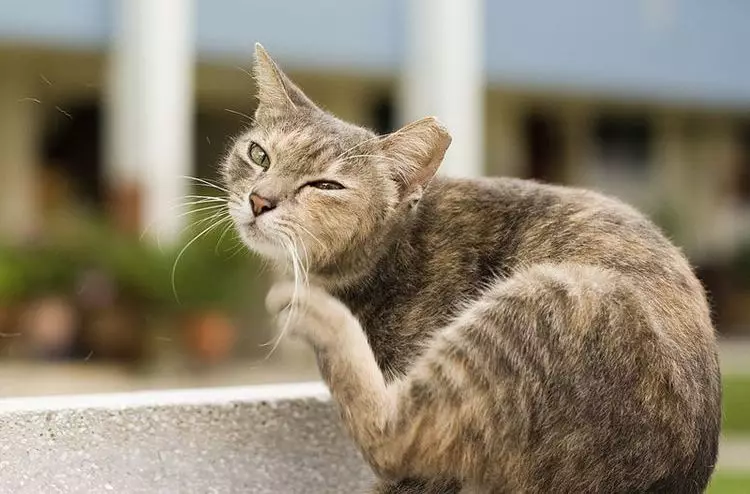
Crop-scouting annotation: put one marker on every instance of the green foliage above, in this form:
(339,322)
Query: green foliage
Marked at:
(669,220)
(736,404)
(211,272)
(729,483)
(34,271)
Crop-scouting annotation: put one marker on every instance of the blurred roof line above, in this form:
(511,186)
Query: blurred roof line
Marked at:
(688,50)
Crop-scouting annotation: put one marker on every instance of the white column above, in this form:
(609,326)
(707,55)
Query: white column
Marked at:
(150,112)
(444,76)
(19,129)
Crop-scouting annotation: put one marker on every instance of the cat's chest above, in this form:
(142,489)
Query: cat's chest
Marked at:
(397,325)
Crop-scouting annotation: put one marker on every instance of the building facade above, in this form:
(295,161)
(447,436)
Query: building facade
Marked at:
(648,100)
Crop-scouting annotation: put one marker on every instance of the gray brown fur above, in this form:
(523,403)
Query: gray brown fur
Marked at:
(490,335)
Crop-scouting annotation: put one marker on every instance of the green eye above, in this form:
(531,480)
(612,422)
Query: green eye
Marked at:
(258,155)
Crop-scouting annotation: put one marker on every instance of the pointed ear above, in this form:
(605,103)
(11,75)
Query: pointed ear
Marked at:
(276,91)
(415,152)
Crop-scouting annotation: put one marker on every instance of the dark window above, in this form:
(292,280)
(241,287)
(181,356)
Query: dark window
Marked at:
(544,147)
(72,148)
(383,114)
(623,141)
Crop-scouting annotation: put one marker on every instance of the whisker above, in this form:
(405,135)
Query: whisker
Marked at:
(181,253)
(221,237)
(237,249)
(380,136)
(242,69)
(219,215)
(312,236)
(192,211)
(361,144)
(300,276)
(207,198)
(240,114)
(205,182)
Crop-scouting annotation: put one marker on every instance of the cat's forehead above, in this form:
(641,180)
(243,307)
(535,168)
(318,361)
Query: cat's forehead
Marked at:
(309,144)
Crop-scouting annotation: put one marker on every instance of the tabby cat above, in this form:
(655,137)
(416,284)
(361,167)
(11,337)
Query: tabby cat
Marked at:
(477,335)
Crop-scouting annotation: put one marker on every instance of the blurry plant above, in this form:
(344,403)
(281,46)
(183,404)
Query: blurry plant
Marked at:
(213,272)
(741,265)
(668,218)
(31,271)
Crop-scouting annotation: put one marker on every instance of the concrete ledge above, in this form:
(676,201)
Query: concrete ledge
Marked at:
(258,439)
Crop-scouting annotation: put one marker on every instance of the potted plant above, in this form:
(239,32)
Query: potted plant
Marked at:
(35,287)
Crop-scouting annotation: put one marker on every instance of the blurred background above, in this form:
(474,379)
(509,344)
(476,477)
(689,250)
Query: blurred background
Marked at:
(107,106)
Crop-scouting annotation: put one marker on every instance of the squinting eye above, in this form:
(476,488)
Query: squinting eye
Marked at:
(325,185)
(258,155)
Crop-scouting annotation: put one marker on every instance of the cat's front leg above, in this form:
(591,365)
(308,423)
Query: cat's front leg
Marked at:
(400,427)
(347,364)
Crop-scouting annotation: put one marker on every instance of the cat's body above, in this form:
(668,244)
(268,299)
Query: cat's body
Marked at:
(491,335)
(565,264)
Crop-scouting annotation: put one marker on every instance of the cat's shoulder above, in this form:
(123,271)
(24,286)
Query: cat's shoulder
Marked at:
(516,191)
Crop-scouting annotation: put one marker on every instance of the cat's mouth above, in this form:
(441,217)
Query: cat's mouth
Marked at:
(257,237)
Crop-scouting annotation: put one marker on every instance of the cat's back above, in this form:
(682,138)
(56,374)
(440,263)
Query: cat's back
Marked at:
(480,230)
(508,223)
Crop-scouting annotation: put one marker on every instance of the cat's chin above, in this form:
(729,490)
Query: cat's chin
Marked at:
(262,245)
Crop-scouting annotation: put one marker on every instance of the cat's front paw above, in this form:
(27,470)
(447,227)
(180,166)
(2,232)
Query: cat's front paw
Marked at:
(309,313)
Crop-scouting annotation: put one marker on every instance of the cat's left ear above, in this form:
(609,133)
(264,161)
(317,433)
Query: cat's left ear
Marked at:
(415,153)
(276,91)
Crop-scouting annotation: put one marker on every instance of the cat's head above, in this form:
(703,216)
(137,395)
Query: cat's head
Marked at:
(302,182)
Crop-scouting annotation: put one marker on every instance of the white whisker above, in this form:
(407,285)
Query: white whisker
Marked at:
(182,252)
(223,233)
(205,182)
(300,278)
(153,223)
(361,144)
(240,114)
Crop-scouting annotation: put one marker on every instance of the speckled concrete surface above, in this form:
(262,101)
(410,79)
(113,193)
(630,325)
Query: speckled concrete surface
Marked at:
(262,439)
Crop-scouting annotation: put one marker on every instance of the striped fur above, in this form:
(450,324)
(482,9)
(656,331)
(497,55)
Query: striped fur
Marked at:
(491,335)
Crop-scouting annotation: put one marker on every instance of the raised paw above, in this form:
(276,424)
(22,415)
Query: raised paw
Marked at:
(308,312)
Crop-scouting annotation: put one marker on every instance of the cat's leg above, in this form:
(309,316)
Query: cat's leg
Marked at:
(406,429)
(346,362)
(523,391)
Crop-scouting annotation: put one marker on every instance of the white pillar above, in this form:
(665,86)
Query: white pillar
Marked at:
(444,76)
(19,129)
(150,112)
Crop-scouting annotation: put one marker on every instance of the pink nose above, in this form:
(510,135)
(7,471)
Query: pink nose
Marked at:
(260,204)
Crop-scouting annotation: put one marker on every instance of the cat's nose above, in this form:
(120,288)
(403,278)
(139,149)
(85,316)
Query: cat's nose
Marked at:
(260,204)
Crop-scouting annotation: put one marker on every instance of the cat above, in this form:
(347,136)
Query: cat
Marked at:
(477,335)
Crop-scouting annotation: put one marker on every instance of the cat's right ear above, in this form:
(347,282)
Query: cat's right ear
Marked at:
(415,153)
(276,92)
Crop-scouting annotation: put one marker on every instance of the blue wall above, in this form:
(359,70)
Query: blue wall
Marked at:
(693,49)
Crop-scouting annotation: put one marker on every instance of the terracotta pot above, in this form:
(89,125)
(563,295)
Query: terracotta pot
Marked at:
(209,336)
(50,325)
(113,333)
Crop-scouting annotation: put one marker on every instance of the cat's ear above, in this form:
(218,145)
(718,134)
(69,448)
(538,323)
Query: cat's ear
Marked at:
(276,91)
(415,152)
